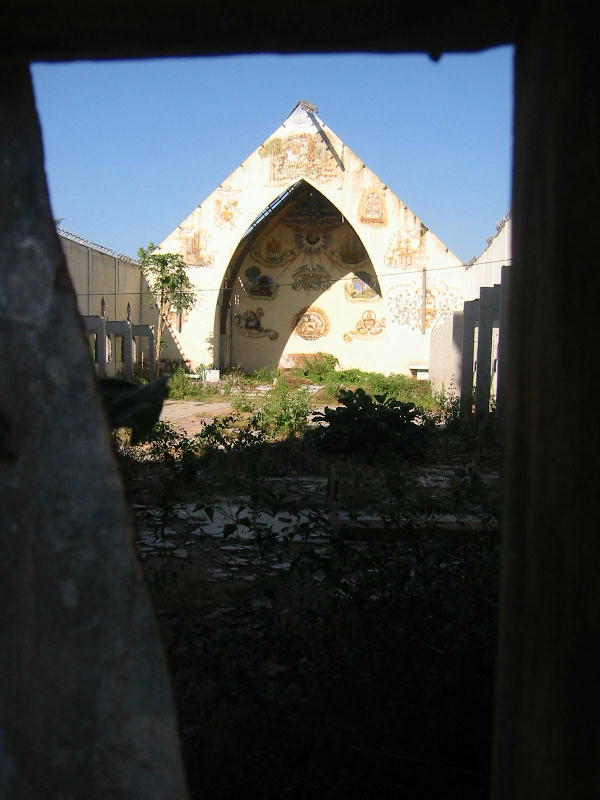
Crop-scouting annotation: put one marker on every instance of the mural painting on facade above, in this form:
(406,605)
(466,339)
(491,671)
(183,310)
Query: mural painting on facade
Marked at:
(311,277)
(372,209)
(301,155)
(368,328)
(310,323)
(259,285)
(418,308)
(194,247)
(226,209)
(350,253)
(406,250)
(249,323)
(360,287)
(313,212)
(312,241)
(273,256)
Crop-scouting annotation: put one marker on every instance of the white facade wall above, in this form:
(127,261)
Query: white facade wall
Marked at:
(485,271)
(398,245)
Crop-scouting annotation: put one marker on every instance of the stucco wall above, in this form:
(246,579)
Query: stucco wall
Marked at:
(398,245)
(98,274)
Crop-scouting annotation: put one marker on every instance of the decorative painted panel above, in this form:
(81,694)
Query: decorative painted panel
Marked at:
(273,256)
(310,323)
(351,252)
(372,209)
(311,277)
(249,324)
(259,285)
(194,247)
(359,288)
(313,212)
(301,155)
(368,328)
(312,241)
(418,308)
(406,250)
(226,210)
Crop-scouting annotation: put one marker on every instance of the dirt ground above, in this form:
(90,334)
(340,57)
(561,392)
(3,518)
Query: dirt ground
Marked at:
(189,415)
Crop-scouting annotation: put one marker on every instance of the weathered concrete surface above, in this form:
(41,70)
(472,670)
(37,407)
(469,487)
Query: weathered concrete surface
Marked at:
(85,705)
(548,725)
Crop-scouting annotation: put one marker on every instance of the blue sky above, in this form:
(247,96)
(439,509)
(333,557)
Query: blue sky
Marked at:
(133,146)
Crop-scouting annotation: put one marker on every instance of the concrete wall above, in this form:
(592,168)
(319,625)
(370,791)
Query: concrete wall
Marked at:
(485,270)
(445,356)
(98,273)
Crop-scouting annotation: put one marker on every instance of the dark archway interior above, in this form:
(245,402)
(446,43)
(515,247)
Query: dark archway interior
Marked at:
(291,256)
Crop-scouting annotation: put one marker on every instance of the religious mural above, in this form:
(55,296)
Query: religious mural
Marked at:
(301,155)
(420,308)
(350,252)
(311,277)
(273,256)
(310,323)
(312,242)
(249,324)
(194,247)
(368,328)
(372,209)
(359,288)
(226,209)
(406,250)
(313,212)
(259,285)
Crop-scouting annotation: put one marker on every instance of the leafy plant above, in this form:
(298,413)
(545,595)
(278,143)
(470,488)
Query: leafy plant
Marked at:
(318,367)
(283,411)
(172,289)
(363,424)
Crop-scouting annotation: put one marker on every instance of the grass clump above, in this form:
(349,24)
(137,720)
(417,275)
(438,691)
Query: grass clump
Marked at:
(182,387)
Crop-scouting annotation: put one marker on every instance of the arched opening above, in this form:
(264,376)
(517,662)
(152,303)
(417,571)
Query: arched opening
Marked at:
(299,282)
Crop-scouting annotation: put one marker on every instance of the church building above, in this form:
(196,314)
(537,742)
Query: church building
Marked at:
(303,249)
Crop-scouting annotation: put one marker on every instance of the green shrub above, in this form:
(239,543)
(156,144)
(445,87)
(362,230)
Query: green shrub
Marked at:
(283,411)
(318,367)
(362,425)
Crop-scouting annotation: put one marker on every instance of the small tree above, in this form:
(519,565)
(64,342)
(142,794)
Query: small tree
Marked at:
(172,289)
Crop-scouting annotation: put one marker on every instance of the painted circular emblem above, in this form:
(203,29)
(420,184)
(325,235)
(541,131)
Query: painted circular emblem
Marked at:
(311,323)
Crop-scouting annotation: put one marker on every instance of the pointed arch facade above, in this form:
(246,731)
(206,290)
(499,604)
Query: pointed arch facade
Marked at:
(299,219)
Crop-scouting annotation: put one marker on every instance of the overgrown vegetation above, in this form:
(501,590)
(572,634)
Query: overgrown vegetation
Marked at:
(319,658)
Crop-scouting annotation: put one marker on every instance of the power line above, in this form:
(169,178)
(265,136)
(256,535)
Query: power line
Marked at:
(222,289)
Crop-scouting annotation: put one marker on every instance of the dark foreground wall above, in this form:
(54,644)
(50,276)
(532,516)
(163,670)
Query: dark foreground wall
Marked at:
(85,705)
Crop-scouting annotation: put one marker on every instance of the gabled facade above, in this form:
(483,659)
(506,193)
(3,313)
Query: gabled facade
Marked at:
(304,249)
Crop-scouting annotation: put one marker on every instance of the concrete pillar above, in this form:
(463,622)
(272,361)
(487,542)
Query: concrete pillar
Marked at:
(503,324)
(97,325)
(147,332)
(123,329)
(470,322)
(489,310)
